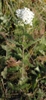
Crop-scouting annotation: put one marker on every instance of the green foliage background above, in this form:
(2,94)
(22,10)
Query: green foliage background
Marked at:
(22,52)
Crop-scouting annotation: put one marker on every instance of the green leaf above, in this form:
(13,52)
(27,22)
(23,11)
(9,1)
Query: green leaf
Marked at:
(10,85)
(43,41)
(37,69)
(4,73)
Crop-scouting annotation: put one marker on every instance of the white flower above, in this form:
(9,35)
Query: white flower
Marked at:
(26,15)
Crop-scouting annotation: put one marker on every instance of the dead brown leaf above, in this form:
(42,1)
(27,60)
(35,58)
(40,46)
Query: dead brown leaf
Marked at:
(41,58)
(12,62)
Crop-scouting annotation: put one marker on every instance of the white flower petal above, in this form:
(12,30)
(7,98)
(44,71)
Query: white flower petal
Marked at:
(26,15)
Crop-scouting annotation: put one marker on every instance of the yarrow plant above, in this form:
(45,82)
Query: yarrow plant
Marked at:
(22,51)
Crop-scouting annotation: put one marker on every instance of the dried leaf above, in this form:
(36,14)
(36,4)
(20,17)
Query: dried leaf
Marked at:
(3,34)
(41,58)
(12,62)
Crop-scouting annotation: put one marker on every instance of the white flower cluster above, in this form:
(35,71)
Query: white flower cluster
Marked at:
(26,15)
